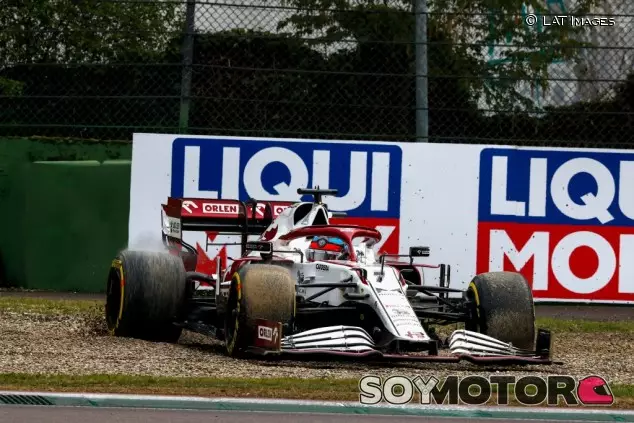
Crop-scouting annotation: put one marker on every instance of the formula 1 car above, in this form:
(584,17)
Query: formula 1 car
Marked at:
(304,286)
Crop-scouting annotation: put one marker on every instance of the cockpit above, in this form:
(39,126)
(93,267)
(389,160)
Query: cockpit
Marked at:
(324,247)
(305,227)
(327,248)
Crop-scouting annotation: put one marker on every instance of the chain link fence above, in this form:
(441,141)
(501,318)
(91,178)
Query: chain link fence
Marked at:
(545,72)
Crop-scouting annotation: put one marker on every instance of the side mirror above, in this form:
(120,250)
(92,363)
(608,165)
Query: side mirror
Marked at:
(419,251)
(337,214)
(259,246)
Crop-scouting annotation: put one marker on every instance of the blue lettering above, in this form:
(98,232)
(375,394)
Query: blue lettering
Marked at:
(367,176)
(556,187)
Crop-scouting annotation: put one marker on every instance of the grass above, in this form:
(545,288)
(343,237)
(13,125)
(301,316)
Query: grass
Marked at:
(324,389)
(584,326)
(48,306)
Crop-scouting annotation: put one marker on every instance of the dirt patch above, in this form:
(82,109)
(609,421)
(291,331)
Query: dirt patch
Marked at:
(56,344)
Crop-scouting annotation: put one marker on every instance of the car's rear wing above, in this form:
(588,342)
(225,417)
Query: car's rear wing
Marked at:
(221,216)
(232,217)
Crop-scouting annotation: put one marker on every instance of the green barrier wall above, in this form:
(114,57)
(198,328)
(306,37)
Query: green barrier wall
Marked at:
(21,222)
(75,220)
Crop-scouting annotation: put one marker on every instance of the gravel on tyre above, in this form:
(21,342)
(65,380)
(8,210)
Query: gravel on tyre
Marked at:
(259,291)
(145,294)
(504,308)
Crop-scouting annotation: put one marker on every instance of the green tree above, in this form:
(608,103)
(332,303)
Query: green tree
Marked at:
(85,31)
(470,27)
(56,73)
(243,94)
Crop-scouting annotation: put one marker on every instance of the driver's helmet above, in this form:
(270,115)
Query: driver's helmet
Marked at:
(327,248)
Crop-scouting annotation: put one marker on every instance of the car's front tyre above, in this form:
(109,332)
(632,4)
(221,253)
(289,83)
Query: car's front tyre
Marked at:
(503,308)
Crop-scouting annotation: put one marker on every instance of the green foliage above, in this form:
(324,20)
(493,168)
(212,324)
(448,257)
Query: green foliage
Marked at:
(470,26)
(48,77)
(85,31)
(343,69)
(10,87)
(234,96)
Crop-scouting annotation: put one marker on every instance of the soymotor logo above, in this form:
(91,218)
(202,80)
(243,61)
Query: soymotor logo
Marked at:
(564,219)
(478,390)
(367,176)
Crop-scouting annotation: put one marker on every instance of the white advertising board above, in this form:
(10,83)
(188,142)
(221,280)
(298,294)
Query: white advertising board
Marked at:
(563,217)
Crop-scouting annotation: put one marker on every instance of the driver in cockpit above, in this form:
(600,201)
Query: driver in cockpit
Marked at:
(327,248)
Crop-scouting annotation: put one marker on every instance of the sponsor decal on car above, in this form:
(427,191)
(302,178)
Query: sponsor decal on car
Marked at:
(564,219)
(171,226)
(211,208)
(268,334)
(416,335)
(400,313)
(265,333)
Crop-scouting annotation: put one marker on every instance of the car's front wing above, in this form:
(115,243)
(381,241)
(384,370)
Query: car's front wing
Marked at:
(355,343)
(502,360)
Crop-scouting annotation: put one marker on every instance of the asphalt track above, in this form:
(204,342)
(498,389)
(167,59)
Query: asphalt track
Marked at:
(33,414)
(33,407)
(572,311)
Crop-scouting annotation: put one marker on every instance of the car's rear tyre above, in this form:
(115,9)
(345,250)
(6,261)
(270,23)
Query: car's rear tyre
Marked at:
(503,308)
(145,294)
(258,291)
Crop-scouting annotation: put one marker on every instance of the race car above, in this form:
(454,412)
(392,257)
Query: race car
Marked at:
(306,286)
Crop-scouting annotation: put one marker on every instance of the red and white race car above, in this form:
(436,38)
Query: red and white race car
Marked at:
(304,286)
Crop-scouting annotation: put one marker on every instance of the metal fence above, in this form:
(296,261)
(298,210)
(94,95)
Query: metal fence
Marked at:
(551,73)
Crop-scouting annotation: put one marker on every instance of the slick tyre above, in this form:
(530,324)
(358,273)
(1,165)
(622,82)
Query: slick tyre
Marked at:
(503,308)
(258,291)
(145,294)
